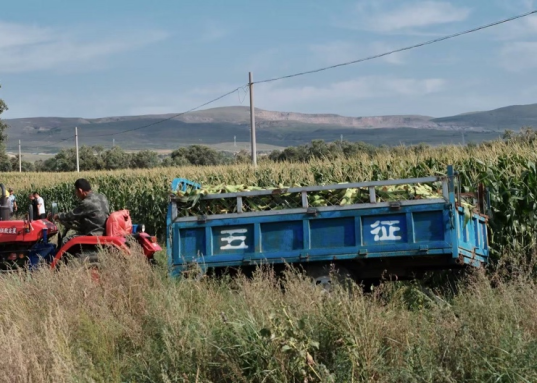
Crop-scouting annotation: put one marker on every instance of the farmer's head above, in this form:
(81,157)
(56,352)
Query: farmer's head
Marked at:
(82,188)
(10,191)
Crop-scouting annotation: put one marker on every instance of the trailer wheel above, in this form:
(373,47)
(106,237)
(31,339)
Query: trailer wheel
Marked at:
(326,275)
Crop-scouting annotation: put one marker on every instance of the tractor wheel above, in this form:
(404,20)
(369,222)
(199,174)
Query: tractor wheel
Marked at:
(326,275)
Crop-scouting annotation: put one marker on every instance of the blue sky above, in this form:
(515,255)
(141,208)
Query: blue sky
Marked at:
(108,58)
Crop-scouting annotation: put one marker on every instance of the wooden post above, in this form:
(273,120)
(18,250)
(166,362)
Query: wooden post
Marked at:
(252,120)
(76,143)
(20,158)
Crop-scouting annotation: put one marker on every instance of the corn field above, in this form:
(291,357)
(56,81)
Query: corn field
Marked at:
(507,169)
(138,325)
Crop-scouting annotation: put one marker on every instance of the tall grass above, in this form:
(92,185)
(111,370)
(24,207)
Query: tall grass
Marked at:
(135,325)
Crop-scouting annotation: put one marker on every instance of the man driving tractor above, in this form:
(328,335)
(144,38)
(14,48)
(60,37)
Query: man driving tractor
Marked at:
(89,217)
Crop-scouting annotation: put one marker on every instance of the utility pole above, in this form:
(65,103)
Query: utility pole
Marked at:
(20,158)
(341,138)
(113,142)
(76,143)
(252,119)
(235,141)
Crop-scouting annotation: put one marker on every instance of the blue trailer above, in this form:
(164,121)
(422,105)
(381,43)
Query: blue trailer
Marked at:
(367,241)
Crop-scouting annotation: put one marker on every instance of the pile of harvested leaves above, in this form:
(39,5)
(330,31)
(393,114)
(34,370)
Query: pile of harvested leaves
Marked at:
(193,203)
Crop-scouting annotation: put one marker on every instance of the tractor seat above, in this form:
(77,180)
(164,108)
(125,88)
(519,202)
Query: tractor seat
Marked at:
(118,224)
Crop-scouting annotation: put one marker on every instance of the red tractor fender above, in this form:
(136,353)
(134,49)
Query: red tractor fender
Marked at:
(117,242)
(149,244)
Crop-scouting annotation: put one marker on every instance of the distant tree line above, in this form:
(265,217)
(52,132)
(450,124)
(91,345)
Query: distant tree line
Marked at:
(318,149)
(98,158)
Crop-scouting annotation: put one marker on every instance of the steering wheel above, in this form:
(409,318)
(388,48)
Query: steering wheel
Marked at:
(61,233)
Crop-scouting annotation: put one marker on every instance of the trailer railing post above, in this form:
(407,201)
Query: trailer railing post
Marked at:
(305,203)
(372,195)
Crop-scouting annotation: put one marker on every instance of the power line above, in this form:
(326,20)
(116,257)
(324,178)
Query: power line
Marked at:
(172,117)
(151,124)
(55,143)
(398,50)
(52,144)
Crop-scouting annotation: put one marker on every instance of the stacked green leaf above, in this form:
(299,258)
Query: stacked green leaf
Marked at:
(192,203)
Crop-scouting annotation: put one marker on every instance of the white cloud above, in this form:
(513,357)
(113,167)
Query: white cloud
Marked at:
(14,35)
(392,16)
(394,58)
(528,4)
(271,96)
(519,29)
(516,40)
(336,97)
(31,48)
(117,103)
(341,51)
(213,32)
(519,56)
(274,96)
(516,6)
(263,61)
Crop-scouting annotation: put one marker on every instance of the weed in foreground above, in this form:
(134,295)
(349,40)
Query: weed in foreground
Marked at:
(137,325)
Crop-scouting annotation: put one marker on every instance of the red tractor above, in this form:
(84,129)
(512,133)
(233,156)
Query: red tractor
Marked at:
(26,242)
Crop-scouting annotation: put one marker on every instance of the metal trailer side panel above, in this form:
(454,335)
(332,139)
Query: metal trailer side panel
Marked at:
(334,234)
(472,240)
(417,229)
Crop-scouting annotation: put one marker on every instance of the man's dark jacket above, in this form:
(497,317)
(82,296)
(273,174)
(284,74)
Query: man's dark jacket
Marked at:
(89,217)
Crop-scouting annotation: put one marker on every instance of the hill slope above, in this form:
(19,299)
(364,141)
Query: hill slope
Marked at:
(509,117)
(217,125)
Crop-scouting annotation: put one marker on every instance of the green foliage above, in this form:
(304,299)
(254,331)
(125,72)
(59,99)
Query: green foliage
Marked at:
(525,135)
(197,155)
(190,202)
(25,165)
(243,157)
(115,158)
(5,164)
(65,160)
(96,158)
(318,149)
(145,159)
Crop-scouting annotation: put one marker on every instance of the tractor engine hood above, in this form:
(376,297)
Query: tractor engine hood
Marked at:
(25,231)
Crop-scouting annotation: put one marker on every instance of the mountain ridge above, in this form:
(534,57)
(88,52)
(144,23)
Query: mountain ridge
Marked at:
(241,115)
(224,124)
